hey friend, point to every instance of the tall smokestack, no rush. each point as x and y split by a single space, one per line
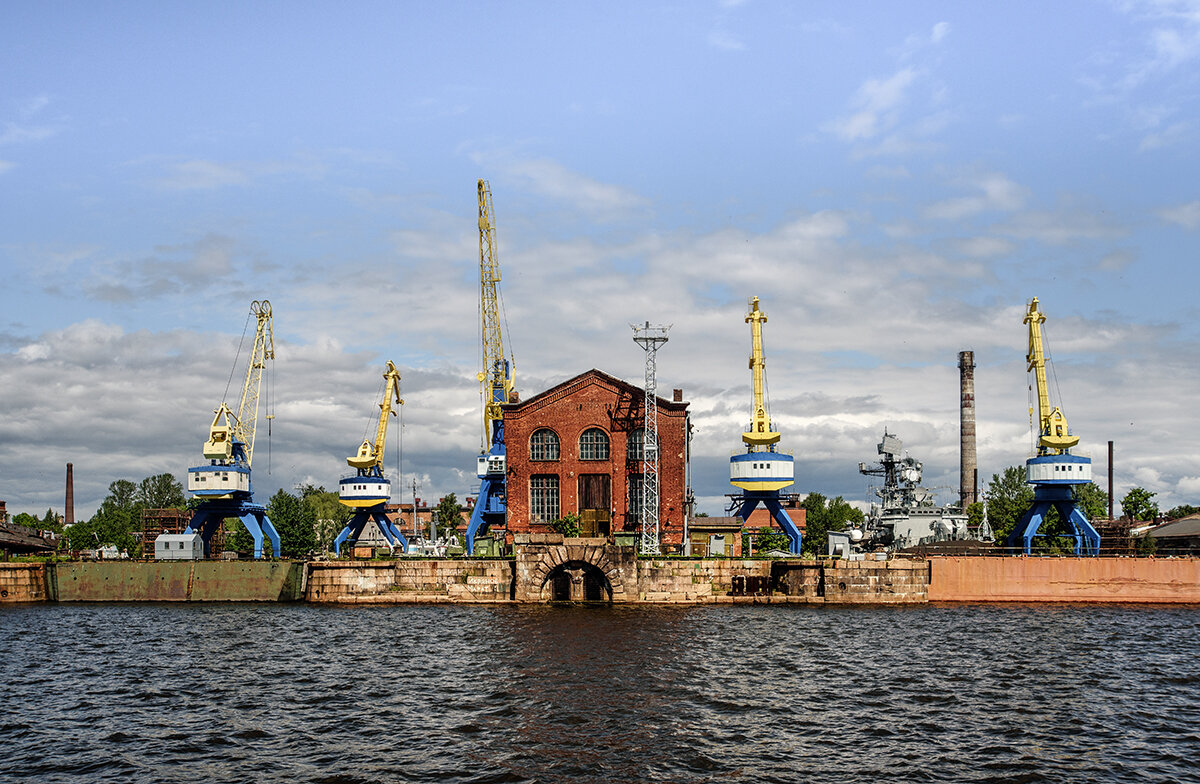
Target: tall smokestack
966 411
69 513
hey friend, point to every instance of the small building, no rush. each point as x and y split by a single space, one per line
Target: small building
713 537
1178 537
178 547
577 449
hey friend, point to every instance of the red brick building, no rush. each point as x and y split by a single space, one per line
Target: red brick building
577 449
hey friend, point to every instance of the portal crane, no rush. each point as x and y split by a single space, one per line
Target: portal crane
367 491
223 485
1053 470
496 382
762 472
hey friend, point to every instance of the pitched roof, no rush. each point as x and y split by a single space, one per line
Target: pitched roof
592 376
1184 527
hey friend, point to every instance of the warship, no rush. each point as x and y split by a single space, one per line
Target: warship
907 514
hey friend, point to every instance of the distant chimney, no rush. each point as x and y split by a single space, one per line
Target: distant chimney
678 398
514 397
69 515
966 411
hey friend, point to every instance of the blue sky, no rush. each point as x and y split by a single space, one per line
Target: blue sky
894 181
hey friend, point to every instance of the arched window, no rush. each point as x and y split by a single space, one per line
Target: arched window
543 445
593 444
635 445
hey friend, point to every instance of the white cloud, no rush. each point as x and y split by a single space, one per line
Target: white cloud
723 39
876 104
999 194
552 179
1185 215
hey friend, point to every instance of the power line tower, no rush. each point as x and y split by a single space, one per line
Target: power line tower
650 337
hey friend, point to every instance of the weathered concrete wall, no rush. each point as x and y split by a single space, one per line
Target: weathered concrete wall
1037 579
177 581
22 582
407 581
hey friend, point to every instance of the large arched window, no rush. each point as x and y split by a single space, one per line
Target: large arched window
543 445
593 444
635 445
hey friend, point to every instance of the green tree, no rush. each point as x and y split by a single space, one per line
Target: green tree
1137 505
764 540
295 523
27 520
1008 498
447 515
237 538
823 516
1183 510
975 514
161 491
112 524
330 515
1092 499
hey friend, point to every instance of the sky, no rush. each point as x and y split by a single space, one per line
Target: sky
893 181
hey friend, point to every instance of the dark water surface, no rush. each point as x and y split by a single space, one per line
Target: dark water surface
273 693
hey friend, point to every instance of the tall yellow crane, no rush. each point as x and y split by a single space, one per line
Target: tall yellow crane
495 378
223 485
1054 437
762 472
368 490
1053 470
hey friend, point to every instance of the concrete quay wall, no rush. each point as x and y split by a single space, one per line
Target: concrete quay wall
1064 579
409 581
22 582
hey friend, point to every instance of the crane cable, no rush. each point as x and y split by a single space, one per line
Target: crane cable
238 356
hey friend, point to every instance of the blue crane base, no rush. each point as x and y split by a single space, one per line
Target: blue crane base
1058 496
749 500
209 515
355 527
489 510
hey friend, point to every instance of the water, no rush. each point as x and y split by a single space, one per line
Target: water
274 693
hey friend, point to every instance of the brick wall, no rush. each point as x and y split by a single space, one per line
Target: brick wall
594 400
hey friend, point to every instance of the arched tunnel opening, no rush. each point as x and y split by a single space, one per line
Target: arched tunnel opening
576 581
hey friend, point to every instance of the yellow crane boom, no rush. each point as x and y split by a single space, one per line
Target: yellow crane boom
1054 437
496 377
371 455
229 428
760 433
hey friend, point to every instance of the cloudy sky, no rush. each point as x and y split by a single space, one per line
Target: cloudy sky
894 181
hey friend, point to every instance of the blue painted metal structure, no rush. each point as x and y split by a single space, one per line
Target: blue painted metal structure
490 506
219 504
364 515
1057 492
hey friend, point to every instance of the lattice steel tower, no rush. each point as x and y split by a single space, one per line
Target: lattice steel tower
650 337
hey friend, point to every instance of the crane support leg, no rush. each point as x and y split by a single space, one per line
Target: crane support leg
258 524
488 511
1045 497
354 529
209 515
751 500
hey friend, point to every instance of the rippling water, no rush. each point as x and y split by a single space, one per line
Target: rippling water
229 693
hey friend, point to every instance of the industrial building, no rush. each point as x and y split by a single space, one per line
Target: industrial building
577 449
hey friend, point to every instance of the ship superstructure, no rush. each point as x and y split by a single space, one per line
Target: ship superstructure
908 514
